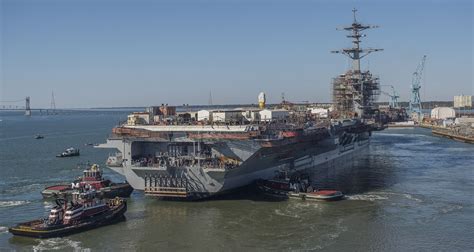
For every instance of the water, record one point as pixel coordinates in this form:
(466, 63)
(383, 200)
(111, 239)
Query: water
(411, 192)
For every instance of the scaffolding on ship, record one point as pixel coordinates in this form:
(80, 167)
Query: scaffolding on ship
(355, 91)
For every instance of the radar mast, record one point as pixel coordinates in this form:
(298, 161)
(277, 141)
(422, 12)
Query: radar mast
(355, 91)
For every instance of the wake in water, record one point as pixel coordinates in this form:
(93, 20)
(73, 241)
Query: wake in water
(295, 208)
(366, 197)
(286, 213)
(3, 230)
(59, 244)
(414, 143)
(23, 188)
(12, 203)
(339, 229)
(376, 196)
(326, 238)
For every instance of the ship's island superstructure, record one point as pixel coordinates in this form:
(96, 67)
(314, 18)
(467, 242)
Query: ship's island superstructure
(194, 155)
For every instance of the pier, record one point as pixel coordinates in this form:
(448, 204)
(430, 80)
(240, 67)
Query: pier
(453, 135)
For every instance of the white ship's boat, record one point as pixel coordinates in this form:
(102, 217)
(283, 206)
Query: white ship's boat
(69, 152)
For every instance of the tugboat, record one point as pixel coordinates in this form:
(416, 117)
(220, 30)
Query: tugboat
(69, 152)
(38, 136)
(85, 211)
(274, 187)
(300, 189)
(92, 176)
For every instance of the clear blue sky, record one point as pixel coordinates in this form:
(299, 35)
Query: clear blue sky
(137, 53)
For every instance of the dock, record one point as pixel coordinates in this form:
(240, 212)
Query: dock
(459, 134)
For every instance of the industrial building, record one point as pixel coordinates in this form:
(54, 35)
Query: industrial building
(463, 101)
(274, 114)
(139, 118)
(227, 116)
(204, 115)
(251, 115)
(320, 112)
(443, 113)
(464, 120)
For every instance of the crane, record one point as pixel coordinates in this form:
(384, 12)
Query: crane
(393, 97)
(415, 101)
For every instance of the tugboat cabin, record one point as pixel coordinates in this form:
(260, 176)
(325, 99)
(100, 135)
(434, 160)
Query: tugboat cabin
(92, 174)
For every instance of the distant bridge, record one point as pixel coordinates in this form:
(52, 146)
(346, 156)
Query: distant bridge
(14, 105)
(38, 111)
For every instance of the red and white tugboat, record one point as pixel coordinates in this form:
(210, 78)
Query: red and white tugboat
(284, 188)
(85, 211)
(92, 177)
(274, 187)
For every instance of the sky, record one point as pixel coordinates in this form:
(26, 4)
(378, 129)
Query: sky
(104, 53)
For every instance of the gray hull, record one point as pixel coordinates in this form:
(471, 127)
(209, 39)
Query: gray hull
(259, 163)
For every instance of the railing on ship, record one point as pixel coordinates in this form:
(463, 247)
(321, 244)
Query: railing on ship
(185, 161)
(274, 124)
(167, 186)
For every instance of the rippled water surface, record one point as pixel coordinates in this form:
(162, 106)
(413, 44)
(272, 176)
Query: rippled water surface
(409, 191)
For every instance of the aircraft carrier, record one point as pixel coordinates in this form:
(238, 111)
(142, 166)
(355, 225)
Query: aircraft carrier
(193, 155)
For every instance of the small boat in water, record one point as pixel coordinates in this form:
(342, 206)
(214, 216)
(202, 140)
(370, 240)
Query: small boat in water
(38, 136)
(296, 190)
(92, 177)
(85, 211)
(69, 152)
(115, 160)
(274, 187)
